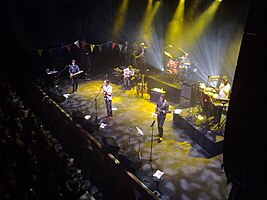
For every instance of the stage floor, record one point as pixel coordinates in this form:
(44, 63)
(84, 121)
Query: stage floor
(189, 172)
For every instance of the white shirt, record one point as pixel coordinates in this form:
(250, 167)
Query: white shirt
(224, 90)
(127, 73)
(108, 90)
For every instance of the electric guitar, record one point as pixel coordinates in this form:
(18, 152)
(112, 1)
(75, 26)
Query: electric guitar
(75, 74)
(159, 111)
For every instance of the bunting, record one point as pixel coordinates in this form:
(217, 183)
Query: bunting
(83, 45)
(100, 47)
(109, 44)
(77, 43)
(40, 52)
(92, 46)
(68, 47)
(113, 45)
(120, 46)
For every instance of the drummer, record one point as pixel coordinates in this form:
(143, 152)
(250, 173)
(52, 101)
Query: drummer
(185, 61)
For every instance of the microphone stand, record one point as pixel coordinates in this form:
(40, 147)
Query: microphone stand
(151, 146)
(95, 101)
(129, 138)
(56, 76)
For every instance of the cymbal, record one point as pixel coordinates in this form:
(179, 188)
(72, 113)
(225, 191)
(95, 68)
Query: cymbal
(168, 54)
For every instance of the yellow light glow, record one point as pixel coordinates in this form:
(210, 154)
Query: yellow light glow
(120, 19)
(201, 23)
(176, 25)
(146, 28)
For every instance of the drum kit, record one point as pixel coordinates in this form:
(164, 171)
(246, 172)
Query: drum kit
(177, 70)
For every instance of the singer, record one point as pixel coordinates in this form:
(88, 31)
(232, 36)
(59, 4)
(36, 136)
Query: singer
(74, 69)
(107, 92)
(161, 109)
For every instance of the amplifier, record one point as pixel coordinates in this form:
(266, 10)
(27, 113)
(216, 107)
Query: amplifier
(155, 94)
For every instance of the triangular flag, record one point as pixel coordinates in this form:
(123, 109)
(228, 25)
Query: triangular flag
(40, 52)
(92, 46)
(113, 45)
(100, 47)
(77, 43)
(108, 44)
(83, 45)
(120, 46)
(68, 47)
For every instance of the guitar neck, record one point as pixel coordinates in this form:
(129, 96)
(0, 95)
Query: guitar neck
(75, 74)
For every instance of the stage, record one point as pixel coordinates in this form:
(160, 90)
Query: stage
(184, 155)
(208, 137)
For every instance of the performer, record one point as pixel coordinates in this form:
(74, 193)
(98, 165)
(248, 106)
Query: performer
(128, 74)
(184, 65)
(139, 57)
(224, 88)
(73, 69)
(125, 54)
(161, 109)
(107, 92)
(222, 95)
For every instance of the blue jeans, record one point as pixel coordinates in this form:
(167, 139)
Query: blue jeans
(161, 119)
(109, 107)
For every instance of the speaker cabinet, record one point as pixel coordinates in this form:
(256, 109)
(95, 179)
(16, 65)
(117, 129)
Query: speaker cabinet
(189, 91)
(155, 94)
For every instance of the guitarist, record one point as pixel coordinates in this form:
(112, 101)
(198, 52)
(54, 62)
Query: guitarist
(139, 57)
(107, 92)
(161, 109)
(128, 74)
(73, 69)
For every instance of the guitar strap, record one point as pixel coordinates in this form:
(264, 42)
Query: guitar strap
(163, 104)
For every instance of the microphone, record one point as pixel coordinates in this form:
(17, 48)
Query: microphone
(152, 123)
(129, 128)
